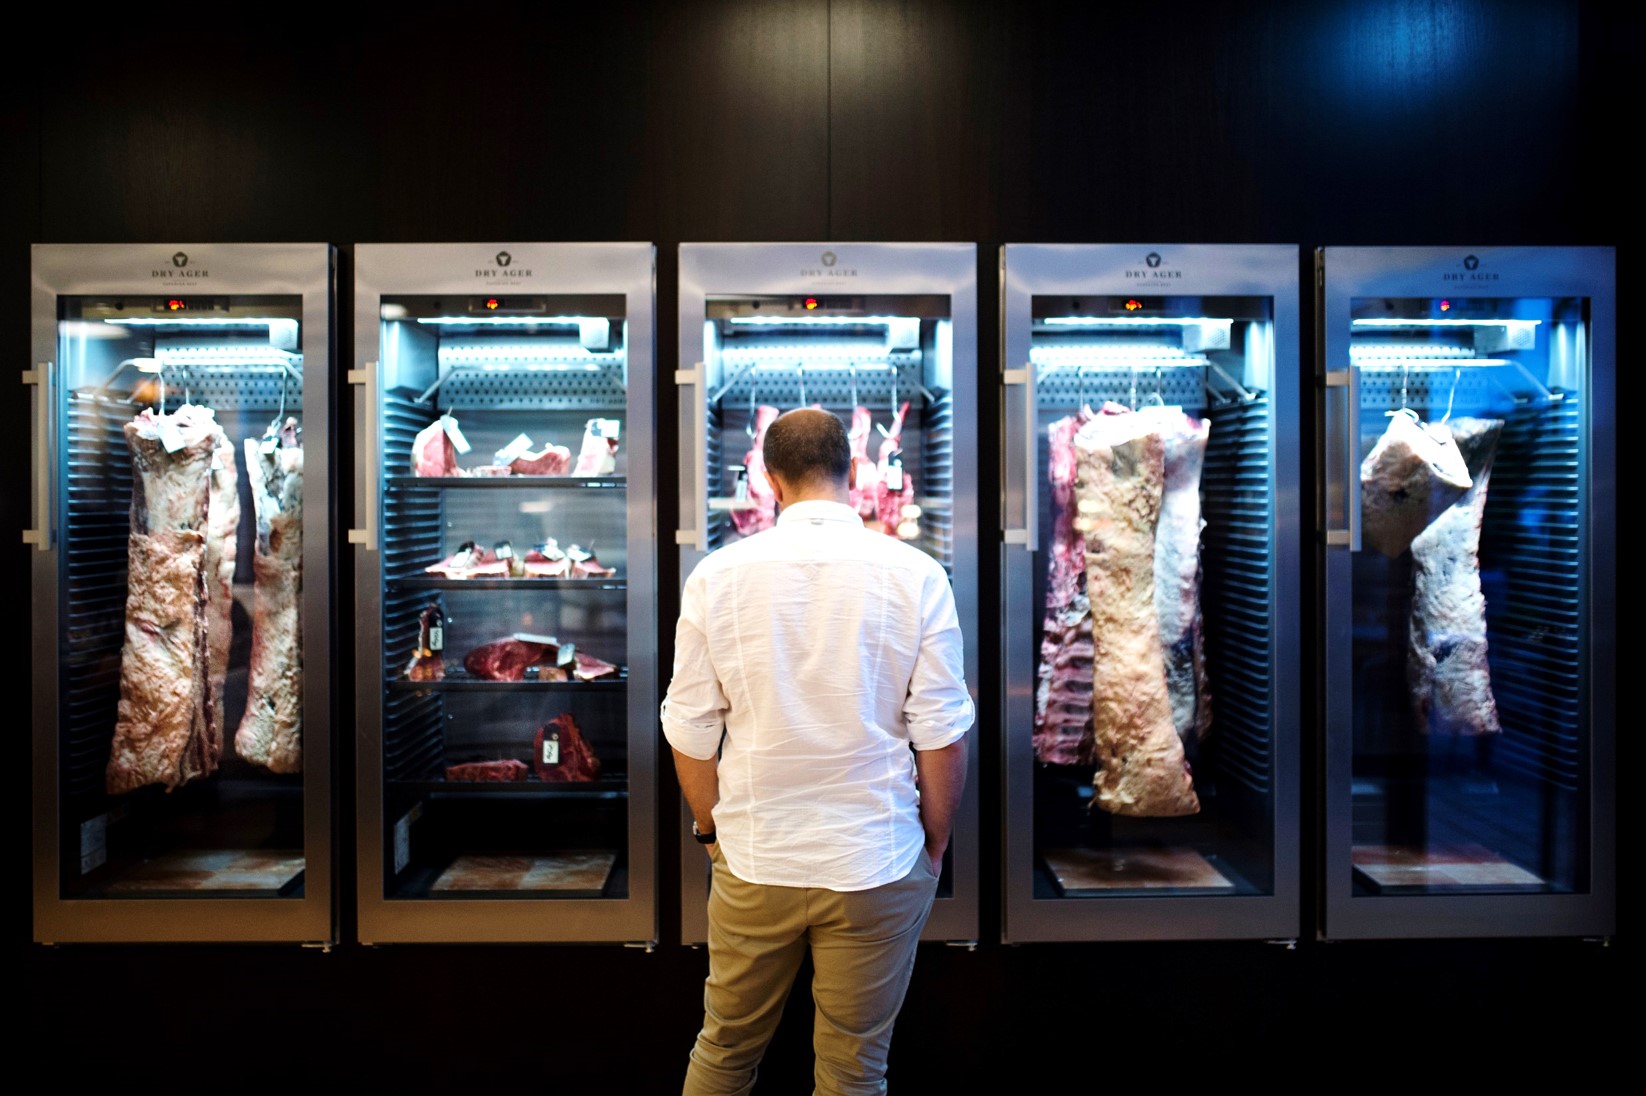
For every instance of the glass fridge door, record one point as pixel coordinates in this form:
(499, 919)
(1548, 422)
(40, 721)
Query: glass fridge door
(512, 630)
(1467, 768)
(884, 336)
(182, 612)
(1150, 560)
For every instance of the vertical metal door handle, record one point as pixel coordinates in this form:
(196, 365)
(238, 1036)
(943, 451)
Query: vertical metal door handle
(694, 377)
(1029, 534)
(367, 378)
(1349, 380)
(40, 377)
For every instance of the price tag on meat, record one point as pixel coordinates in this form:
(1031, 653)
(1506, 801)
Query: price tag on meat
(521, 444)
(604, 428)
(551, 749)
(170, 436)
(459, 442)
(504, 549)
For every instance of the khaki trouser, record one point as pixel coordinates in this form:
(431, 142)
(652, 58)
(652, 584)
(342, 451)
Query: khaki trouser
(862, 947)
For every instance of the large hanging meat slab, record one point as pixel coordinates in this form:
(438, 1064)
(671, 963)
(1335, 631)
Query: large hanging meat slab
(168, 727)
(1446, 665)
(762, 514)
(271, 732)
(1413, 472)
(1063, 693)
(1142, 769)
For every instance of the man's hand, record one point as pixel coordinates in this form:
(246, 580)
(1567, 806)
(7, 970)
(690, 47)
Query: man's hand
(941, 777)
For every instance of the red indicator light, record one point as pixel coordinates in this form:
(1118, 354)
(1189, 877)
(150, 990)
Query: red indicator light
(1133, 305)
(811, 303)
(491, 303)
(176, 305)
(1445, 306)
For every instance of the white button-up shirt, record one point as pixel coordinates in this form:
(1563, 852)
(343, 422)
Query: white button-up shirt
(823, 650)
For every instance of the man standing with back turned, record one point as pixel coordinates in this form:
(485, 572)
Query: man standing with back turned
(810, 658)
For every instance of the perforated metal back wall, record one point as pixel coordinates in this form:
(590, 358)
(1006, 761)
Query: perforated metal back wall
(97, 501)
(1237, 590)
(413, 722)
(1532, 537)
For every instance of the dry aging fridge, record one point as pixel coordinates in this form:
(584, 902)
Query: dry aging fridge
(1469, 601)
(1150, 592)
(885, 336)
(506, 586)
(182, 578)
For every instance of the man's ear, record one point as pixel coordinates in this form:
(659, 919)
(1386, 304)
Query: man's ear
(777, 487)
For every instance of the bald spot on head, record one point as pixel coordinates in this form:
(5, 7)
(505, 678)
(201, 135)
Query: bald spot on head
(808, 448)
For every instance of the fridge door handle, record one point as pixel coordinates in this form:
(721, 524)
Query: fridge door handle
(694, 378)
(1348, 535)
(40, 378)
(1028, 535)
(367, 378)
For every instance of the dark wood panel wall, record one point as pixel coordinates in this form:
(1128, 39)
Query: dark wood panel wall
(1276, 121)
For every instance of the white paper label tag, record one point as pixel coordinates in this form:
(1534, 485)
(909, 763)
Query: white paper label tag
(94, 843)
(505, 550)
(551, 750)
(170, 436)
(437, 638)
(894, 478)
(459, 442)
(604, 428)
(515, 448)
(269, 444)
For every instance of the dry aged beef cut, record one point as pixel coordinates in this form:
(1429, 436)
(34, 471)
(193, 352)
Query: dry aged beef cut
(509, 659)
(1177, 569)
(598, 455)
(168, 723)
(1446, 666)
(470, 561)
(551, 460)
(1142, 769)
(1063, 689)
(866, 472)
(762, 511)
(549, 560)
(487, 772)
(561, 754)
(222, 550)
(894, 488)
(428, 661)
(1413, 472)
(1063, 728)
(271, 732)
(589, 668)
(433, 453)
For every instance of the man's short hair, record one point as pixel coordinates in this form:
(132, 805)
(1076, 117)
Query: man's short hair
(808, 445)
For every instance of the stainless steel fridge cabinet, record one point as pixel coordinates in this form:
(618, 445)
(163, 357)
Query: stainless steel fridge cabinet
(182, 491)
(1467, 511)
(884, 335)
(1150, 591)
(506, 574)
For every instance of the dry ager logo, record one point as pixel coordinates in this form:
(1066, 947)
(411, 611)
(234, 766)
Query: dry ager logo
(505, 268)
(828, 269)
(180, 269)
(1473, 273)
(1154, 262)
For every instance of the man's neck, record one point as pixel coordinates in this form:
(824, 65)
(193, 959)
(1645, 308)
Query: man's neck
(816, 492)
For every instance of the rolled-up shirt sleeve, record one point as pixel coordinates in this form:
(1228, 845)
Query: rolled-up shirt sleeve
(938, 710)
(694, 710)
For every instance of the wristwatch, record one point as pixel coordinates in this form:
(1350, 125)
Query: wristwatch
(702, 838)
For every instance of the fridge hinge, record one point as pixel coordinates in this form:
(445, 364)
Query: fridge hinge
(969, 945)
(648, 946)
(1289, 944)
(323, 945)
(1337, 378)
(1014, 376)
